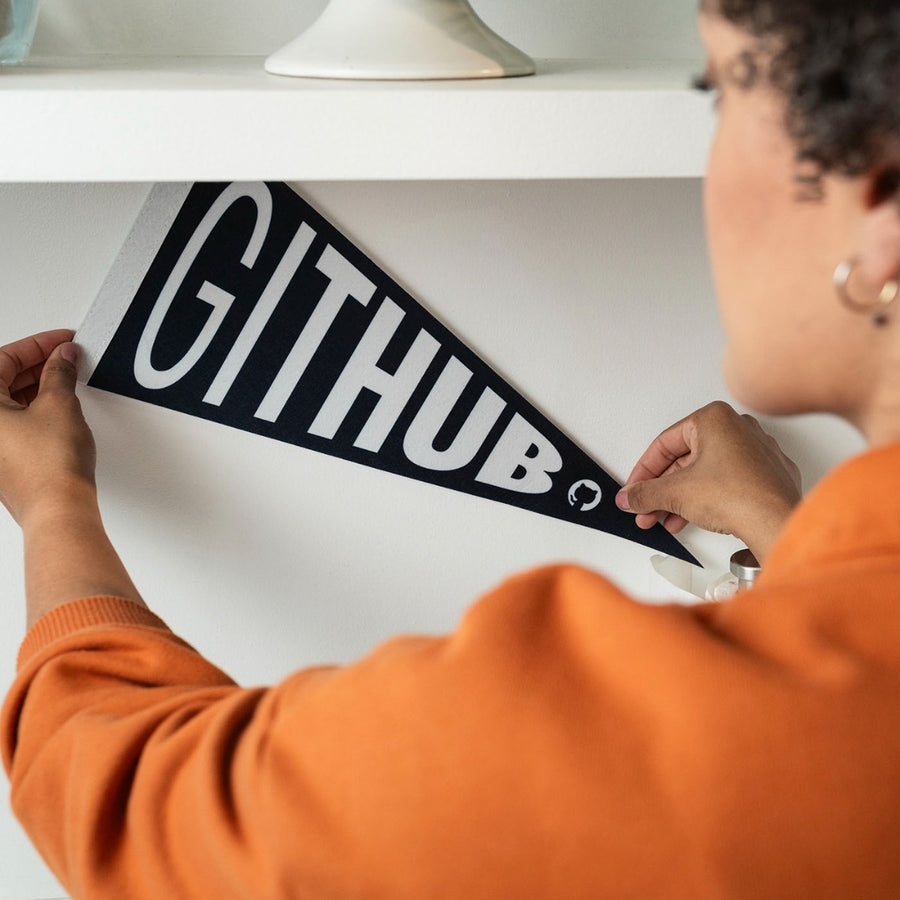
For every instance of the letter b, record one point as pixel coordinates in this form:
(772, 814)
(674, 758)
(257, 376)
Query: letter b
(522, 460)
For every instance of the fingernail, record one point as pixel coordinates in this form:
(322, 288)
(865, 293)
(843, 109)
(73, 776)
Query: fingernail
(69, 352)
(622, 500)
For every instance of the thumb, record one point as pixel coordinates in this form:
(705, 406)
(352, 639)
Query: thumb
(653, 495)
(60, 372)
(654, 500)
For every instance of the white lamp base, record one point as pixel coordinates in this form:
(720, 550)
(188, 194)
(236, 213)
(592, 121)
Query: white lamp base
(399, 39)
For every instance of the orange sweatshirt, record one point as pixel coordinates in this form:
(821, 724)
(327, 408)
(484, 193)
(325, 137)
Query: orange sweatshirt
(566, 742)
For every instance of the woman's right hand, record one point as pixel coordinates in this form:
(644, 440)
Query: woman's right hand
(718, 470)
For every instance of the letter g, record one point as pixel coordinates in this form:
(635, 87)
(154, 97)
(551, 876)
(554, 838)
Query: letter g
(220, 300)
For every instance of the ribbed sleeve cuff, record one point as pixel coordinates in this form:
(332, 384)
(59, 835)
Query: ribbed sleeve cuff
(80, 614)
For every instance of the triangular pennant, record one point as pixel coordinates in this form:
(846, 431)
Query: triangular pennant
(241, 304)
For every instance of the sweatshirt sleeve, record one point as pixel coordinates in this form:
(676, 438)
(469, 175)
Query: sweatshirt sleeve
(565, 741)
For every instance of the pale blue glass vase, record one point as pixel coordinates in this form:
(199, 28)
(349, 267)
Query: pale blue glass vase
(18, 19)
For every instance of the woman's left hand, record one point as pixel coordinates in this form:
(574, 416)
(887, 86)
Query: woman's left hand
(46, 447)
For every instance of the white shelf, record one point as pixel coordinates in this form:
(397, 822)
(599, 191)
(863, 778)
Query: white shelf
(188, 119)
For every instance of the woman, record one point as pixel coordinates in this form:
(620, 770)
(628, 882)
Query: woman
(566, 741)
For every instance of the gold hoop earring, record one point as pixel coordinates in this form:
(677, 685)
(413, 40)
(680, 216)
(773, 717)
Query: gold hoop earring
(877, 309)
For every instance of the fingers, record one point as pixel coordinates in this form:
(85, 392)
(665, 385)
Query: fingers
(654, 490)
(718, 470)
(25, 356)
(25, 385)
(670, 521)
(653, 500)
(666, 454)
(669, 453)
(27, 378)
(674, 523)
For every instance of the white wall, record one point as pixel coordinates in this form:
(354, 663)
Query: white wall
(633, 30)
(593, 299)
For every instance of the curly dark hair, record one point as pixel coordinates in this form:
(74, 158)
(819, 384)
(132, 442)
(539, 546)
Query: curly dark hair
(838, 64)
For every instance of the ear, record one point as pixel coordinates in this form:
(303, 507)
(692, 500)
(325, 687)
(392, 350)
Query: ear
(879, 253)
